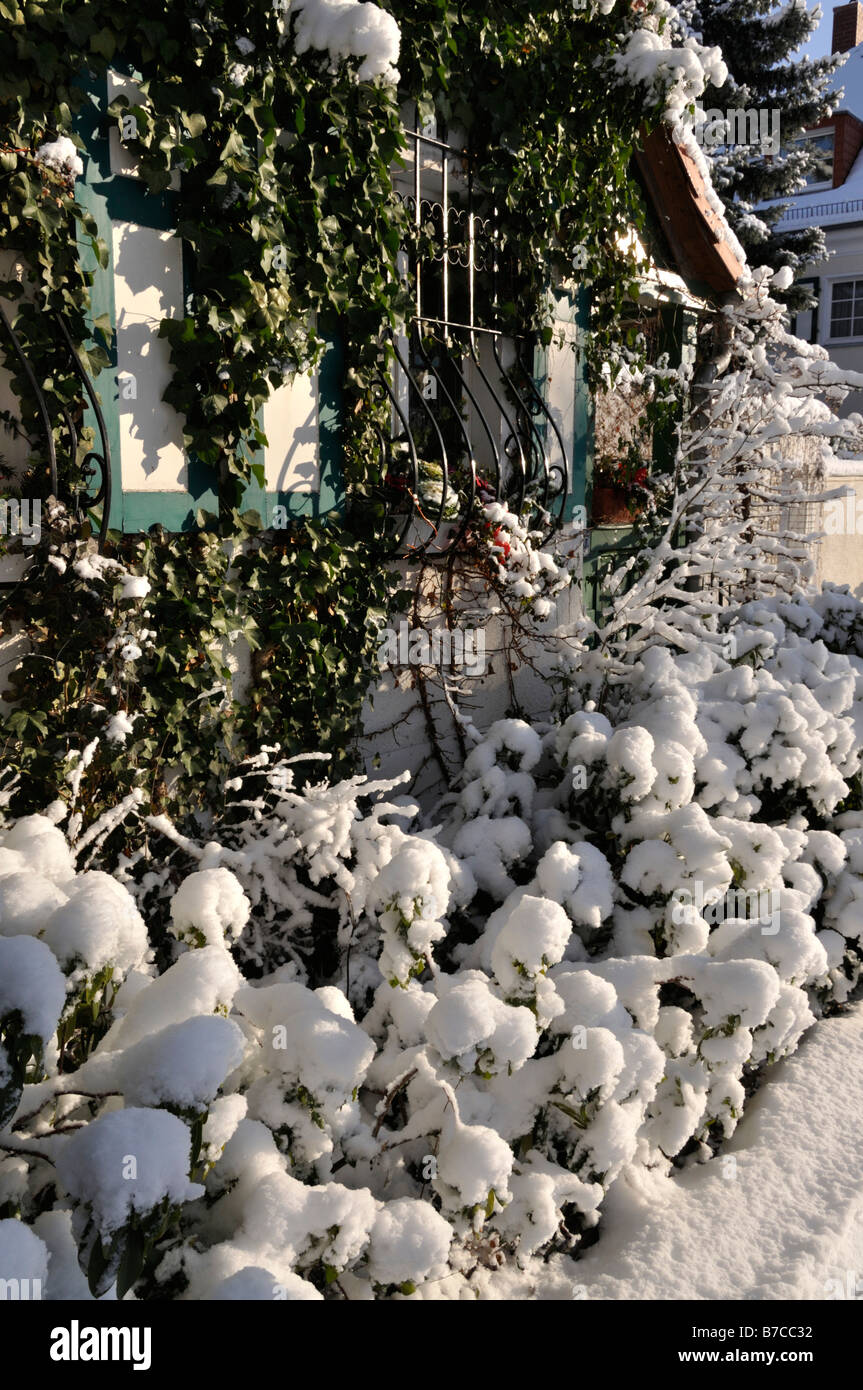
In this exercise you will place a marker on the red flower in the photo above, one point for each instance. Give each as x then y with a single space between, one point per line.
504 546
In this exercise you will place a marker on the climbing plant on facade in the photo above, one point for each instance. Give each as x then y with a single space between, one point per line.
283 131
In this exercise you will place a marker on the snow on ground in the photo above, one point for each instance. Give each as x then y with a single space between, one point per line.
779 1222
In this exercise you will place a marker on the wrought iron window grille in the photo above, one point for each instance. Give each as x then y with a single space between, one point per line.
71 482
469 423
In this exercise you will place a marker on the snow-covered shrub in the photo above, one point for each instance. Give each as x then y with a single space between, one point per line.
841 617
346 29
307 1045
56 923
124 1172
450 1041
207 906
61 156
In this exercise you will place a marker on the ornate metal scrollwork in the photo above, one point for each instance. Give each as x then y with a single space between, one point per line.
77 492
468 422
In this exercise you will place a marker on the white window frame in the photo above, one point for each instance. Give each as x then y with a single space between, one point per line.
822 183
827 336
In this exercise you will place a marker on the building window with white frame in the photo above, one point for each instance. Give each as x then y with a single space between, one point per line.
846 309
820 143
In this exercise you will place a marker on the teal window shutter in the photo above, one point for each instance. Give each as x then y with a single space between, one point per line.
562 377
155 479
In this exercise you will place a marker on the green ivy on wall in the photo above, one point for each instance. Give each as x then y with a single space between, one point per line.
287 206
308 610
554 134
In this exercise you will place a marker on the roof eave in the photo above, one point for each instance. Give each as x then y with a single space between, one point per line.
695 233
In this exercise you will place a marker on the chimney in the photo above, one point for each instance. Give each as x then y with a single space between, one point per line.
847 26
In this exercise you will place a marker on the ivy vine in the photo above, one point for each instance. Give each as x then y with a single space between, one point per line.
287 206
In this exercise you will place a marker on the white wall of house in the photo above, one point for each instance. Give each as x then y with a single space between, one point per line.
845 262
292 458
399 733
842 549
148 287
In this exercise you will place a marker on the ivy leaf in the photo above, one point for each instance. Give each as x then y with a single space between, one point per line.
103 41
98 1268
233 146
195 124
131 1261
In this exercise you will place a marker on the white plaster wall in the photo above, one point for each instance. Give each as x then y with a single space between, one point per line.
842 555
121 159
292 457
148 287
395 735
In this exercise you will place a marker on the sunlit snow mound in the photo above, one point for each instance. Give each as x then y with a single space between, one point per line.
375 1061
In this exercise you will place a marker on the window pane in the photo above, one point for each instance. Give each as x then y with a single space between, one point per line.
846 309
821 146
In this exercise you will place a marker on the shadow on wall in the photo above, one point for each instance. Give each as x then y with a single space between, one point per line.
148 287
842 545
408 718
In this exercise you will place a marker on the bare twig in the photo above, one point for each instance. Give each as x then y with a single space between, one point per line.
390 1097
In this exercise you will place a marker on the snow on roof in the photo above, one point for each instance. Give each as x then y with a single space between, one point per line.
827 207
832 207
851 77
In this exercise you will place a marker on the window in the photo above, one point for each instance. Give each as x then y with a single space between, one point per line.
470 421
150 279
846 309
821 144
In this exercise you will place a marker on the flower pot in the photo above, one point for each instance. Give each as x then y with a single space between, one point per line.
610 506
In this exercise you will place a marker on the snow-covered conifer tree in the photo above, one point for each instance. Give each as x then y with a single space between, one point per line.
760 45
